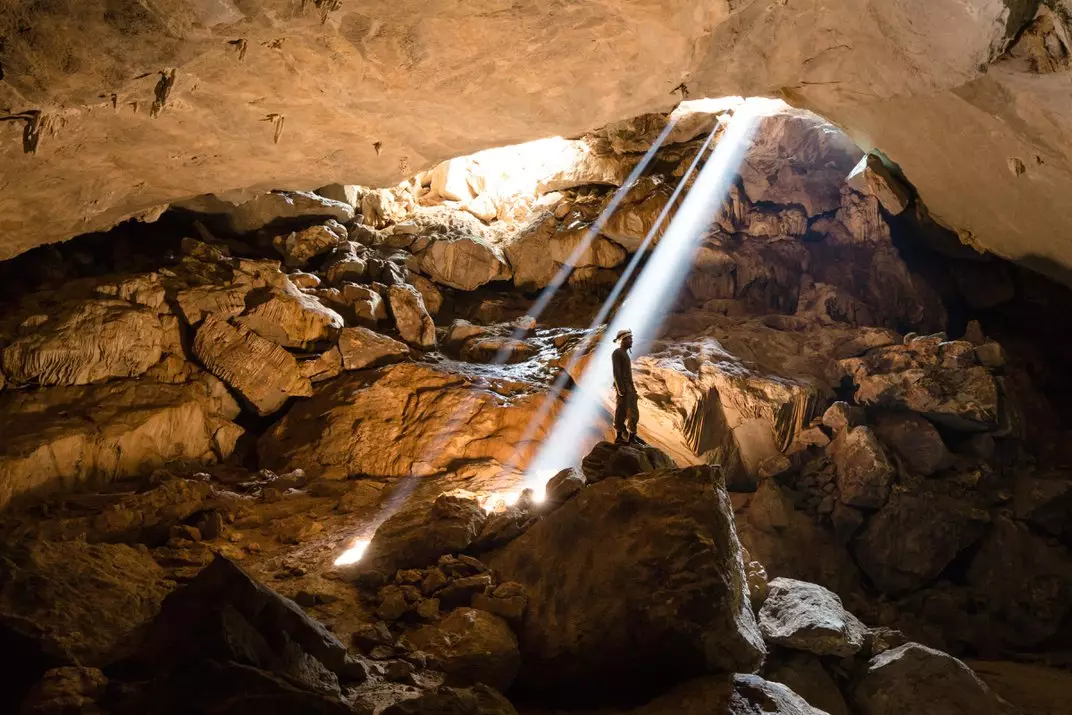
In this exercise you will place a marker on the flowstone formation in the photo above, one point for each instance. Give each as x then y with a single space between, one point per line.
278 448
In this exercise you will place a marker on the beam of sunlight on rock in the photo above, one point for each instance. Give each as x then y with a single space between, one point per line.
354 553
648 302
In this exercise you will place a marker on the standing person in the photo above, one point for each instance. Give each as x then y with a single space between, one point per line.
626 413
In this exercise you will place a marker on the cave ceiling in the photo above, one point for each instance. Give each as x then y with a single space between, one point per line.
115 108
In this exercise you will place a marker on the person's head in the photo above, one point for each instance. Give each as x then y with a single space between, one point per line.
624 338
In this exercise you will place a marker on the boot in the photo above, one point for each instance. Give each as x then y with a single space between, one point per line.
621 438
633 439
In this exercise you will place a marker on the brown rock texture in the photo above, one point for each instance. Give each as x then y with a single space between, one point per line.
436 420
472 646
89 342
258 369
914 678
600 610
124 428
83 602
411 317
806 616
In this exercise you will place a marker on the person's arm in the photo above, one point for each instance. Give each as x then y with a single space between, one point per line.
622 381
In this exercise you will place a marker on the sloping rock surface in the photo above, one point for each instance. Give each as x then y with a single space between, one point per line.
434 418
601 611
806 616
124 428
914 678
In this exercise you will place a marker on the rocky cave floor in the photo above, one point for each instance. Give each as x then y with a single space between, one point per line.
202 414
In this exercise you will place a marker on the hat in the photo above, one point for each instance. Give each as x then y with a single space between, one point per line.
623 334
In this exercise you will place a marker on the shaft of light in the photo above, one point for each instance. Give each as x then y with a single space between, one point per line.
604 310
409 483
650 299
563 274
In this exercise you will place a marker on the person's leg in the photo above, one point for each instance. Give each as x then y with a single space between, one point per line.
633 417
621 410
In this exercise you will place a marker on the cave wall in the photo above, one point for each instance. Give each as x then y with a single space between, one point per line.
115 109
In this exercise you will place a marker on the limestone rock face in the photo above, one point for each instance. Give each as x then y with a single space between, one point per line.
416 408
266 210
874 178
914 678
806 616
472 646
868 79
411 317
292 319
362 348
940 381
82 602
261 371
914 537
781 165
92 341
463 263
123 428
193 624
540 249
622 616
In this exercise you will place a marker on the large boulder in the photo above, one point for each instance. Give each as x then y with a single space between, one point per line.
464 263
737 695
608 459
471 646
915 440
540 250
940 380
1045 501
299 247
416 408
806 616
362 348
290 318
1023 583
81 603
602 611
263 373
911 540
478 700
805 675
915 679
227 615
864 473
123 428
90 341
411 317
420 532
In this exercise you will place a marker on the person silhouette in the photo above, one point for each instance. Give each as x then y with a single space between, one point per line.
626 412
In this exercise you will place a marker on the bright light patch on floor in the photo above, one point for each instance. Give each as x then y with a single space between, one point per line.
498 501
353 554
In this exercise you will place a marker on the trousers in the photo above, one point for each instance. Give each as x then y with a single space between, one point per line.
626 413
